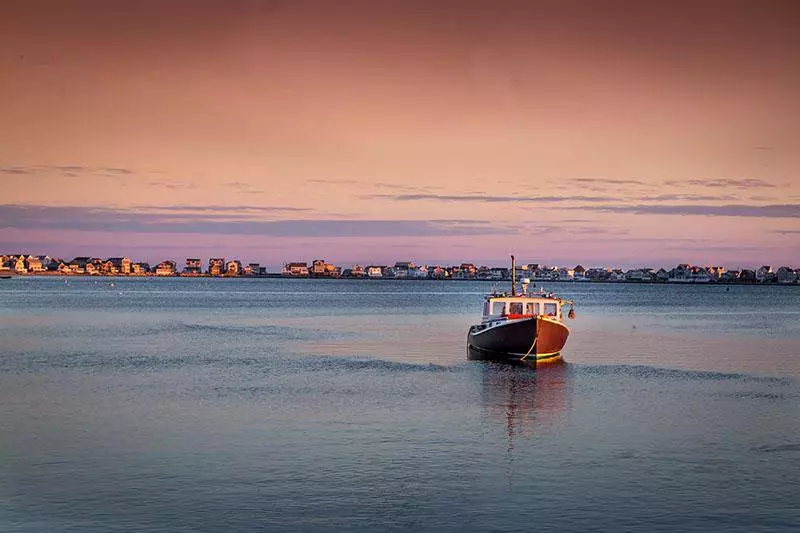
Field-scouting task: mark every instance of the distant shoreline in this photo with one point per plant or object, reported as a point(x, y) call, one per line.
point(12, 275)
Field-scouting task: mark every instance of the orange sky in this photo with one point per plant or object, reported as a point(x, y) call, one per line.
point(619, 133)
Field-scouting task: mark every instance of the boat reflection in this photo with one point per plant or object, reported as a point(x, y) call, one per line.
point(528, 401)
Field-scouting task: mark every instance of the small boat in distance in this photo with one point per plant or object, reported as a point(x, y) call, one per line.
point(520, 328)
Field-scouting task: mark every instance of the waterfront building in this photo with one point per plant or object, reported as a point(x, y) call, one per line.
point(418, 272)
point(765, 274)
point(318, 267)
point(216, 266)
point(358, 271)
point(716, 272)
point(375, 271)
point(19, 265)
point(747, 276)
point(295, 270)
point(566, 274)
point(252, 269)
point(233, 268)
point(786, 275)
point(78, 265)
point(639, 275)
point(34, 264)
point(117, 265)
point(166, 268)
point(193, 266)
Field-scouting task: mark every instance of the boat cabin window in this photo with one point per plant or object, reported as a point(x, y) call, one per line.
point(498, 308)
point(515, 308)
point(550, 309)
point(532, 309)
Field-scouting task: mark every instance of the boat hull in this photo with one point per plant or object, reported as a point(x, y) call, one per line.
point(537, 338)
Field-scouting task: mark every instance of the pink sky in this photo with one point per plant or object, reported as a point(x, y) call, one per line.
point(619, 133)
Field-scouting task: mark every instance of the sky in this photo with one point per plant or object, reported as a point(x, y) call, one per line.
point(619, 133)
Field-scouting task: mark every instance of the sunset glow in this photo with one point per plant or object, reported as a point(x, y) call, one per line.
point(624, 133)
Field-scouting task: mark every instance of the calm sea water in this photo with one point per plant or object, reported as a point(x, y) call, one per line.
point(301, 405)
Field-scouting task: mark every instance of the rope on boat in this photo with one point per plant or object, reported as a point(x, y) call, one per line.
point(536, 338)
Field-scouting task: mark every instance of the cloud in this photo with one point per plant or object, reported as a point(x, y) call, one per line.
point(687, 198)
point(172, 184)
point(606, 181)
point(746, 183)
point(218, 208)
point(16, 171)
point(491, 199)
point(226, 223)
point(67, 171)
point(756, 211)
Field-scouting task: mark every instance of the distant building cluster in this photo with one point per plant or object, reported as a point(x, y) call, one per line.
point(319, 268)
point(123, 266)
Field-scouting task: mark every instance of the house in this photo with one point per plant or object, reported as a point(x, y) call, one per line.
point(716, 272)
point(662, 275)
point(358, 271)
point(4, 263)
point(499, 273)
point(166, 268)
point(140, 269)
point(374, 271)
point(747, 276)
point(92, 270)
point(318, 267)
point(617, 275)
point(700, 275)
point(332, 271)
point(640, 275)
point(78, 265)
point(234, 268)
point(63, 268)
point(730, 276)
point(295, 270)
point(469, 270)
point(579, 273)
point(216, 266)
point(418, 272)
point(252, 269)
point(34, 264)
point(19, 265)
point(681, 273)
point(765, 274)
point(786, 275)
point(108, 268)
point(566, 274)
point(193, 266)
point(117, 265)
point(438, 272)
point(403, 269)
point(598, 274)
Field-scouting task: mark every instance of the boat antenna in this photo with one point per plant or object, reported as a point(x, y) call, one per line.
point(513, 276)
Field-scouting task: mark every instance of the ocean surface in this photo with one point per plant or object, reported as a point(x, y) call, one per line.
point(332, 405)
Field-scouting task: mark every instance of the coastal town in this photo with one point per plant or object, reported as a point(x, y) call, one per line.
point(25, 264)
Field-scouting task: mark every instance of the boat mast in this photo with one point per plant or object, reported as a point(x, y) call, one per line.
point(513, 276)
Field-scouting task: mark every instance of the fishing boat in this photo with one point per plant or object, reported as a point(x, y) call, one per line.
point(520, 327)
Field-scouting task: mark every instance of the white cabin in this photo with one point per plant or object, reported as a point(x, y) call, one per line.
point(496, 307)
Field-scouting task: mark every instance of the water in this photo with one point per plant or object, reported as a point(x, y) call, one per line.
point(301, 405)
